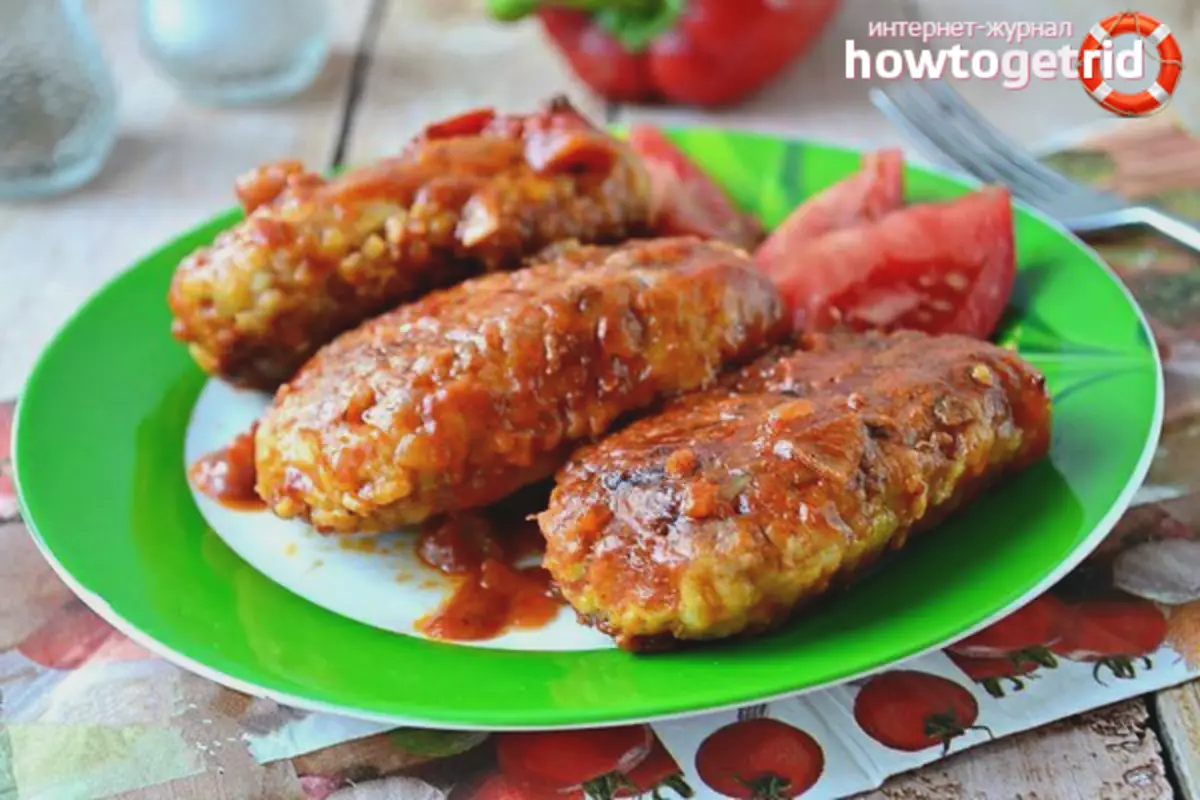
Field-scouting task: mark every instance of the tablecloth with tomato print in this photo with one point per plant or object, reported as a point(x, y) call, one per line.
point(84, 712)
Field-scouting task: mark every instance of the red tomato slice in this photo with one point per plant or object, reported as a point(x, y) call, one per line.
point(936, 267)
point(686, 201)
point(875, 190)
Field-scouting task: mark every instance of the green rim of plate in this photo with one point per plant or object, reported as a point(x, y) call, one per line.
point(99, 456)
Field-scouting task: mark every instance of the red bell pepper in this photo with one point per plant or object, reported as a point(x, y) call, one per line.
point(699, 52)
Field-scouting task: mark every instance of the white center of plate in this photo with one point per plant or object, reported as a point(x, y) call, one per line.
point(375, 580)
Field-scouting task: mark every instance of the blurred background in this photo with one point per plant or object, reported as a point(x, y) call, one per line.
point(124, 122)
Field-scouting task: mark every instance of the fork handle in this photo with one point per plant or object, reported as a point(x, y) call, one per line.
point(1178, 230)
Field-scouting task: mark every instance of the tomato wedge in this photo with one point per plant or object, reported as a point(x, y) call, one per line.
point(867, 195)
point(936, 267)
point(686, 201)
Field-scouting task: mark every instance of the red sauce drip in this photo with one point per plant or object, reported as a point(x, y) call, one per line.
point(491, 600)
point(459, 545)
point(492, 595)
point(227, 475)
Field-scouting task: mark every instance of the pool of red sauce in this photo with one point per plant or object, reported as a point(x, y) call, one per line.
point(491, 594)
point(479, 551)
point(227, 475)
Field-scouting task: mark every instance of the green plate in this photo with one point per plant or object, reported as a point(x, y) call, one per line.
point(99, 453)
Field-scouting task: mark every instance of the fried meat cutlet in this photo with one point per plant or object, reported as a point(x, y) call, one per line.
point(727, 511)
point(316, 257)
point(455, 401)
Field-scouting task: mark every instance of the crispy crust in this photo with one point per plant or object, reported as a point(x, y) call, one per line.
point(316, 257)
point(460, 398)
point(735, 506)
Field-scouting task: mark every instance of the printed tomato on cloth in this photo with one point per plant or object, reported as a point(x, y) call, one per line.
point(909, 710)
point(599, 763)
point(8, 489)
point(1027, 634)
point(1114, 633)
point(760, 758)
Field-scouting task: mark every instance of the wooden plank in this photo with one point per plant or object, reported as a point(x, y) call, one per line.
point(173, 166)
point(1179, 725)
point(433, 58)
point(1107, 754)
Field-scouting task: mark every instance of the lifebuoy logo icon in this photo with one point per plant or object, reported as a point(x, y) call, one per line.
point(1095, 60)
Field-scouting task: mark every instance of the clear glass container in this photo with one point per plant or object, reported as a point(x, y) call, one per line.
point(58, 116)
point(236, 52)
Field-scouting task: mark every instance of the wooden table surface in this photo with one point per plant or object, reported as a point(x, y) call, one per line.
point(397, 64)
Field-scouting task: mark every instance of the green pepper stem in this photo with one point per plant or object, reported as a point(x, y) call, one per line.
point(512, 10)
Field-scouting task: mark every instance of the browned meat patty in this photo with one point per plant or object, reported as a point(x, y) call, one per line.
point(734, 506)
point(456, 400)
point(316, 257)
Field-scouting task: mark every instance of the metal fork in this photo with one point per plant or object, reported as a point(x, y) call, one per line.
point(942, 122)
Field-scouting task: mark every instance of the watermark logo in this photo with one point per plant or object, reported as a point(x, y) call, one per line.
point(1094, 64)
point(1098, 44)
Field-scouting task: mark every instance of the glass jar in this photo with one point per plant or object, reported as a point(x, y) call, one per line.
point(58, 116)
point(233, 52)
